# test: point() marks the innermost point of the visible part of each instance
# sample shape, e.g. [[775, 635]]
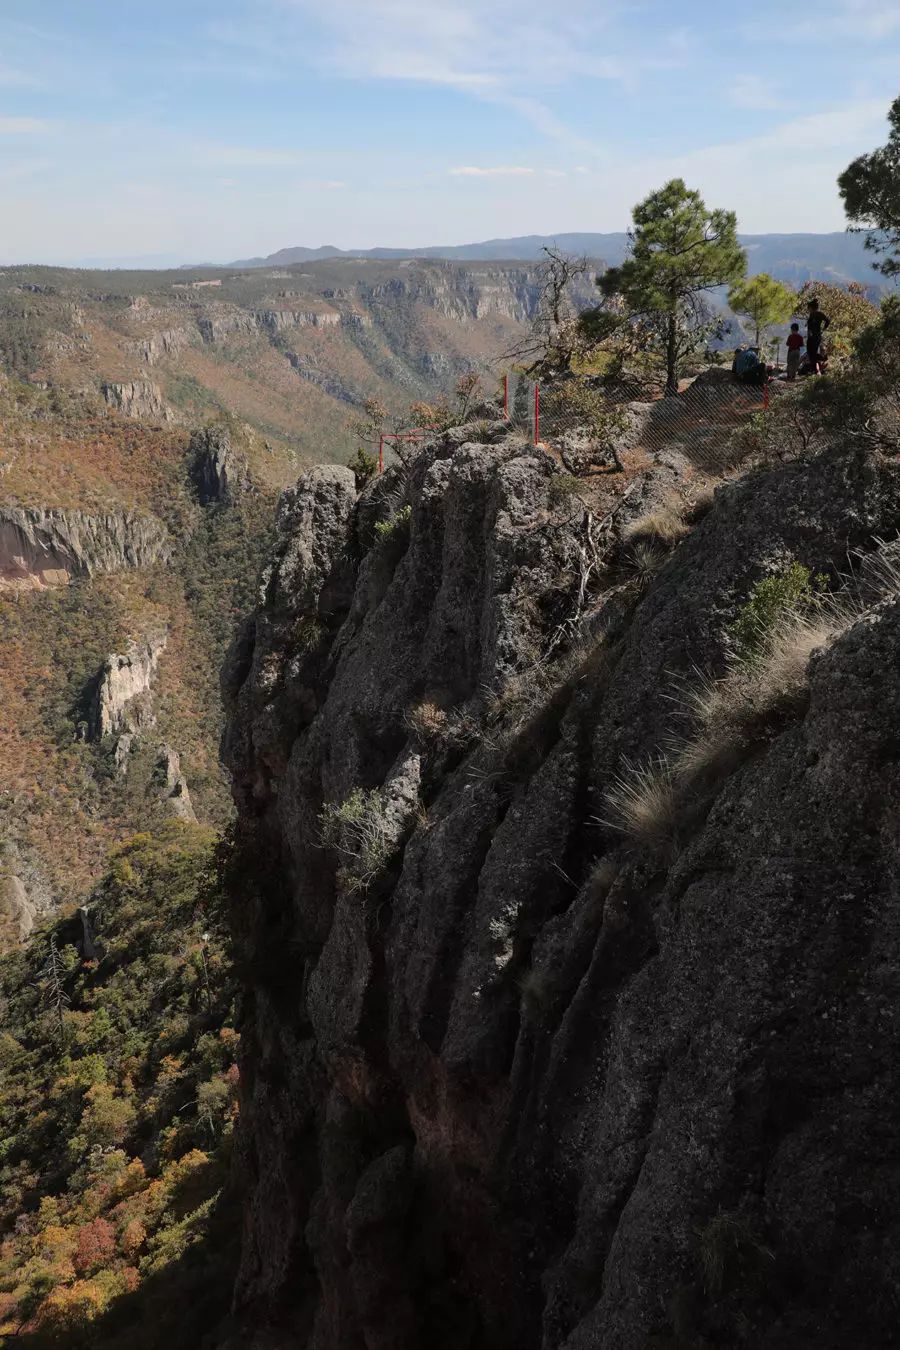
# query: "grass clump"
[[392, 535], [727, 1249], [358, 830], [642, 801], [426, 721], [665, 525]]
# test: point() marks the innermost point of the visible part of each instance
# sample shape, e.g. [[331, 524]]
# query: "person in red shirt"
[[794, 345]]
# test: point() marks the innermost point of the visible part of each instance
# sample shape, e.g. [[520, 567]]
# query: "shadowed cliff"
[[569, 944]]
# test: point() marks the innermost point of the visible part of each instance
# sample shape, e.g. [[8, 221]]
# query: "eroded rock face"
[[536, 1084], [218, 469], [16, 908], [24, 894], [138, 398], [40, 548], [121, 702], [175, 792]]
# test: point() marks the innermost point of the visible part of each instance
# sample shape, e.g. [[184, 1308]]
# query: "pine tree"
[[870, 188], [679, 251], [764, 300]]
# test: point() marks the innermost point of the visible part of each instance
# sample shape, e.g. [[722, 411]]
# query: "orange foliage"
[[134, 1236], [95, 1246]]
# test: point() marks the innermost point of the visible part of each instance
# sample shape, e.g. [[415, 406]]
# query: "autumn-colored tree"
[[849, 310], [95, 1246]]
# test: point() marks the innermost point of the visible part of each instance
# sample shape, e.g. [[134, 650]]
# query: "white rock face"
[[121, 702]]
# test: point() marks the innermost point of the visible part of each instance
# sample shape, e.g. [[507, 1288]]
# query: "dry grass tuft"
[[664, 525], [702, 497], [645, 560], [426, 721], [646, 801], [780, 672], [642, 801], [600, 879]]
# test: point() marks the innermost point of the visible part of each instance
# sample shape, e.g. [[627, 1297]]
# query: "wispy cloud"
[[497, 51], [25, 126], [13, 78], [854, 20], [753, 91], [500, 171]]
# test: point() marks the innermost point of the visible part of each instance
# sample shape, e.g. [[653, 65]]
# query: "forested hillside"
[[118, 1096], [292, 351]]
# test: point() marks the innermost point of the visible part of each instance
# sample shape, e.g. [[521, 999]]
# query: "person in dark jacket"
[[816, 323]]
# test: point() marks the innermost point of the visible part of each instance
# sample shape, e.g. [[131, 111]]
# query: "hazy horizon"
[[216, 131]]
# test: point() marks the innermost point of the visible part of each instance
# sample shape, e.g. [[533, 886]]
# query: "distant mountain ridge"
[[838, 257]]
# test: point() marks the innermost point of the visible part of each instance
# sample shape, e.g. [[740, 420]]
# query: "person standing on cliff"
[[817, 321], [794, 344]]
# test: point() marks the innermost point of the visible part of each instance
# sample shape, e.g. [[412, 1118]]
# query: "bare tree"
[[555, 338], [50, 982]]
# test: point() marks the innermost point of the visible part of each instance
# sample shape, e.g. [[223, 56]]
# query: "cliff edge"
[[571, 955]]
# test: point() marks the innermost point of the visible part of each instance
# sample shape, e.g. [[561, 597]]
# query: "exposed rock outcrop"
[[46, 547], [121, 701], [138, 398], [24, 894], [175, 792], [526, 1082], [218, 468], [16, 910]]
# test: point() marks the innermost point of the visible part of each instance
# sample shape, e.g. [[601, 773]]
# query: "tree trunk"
[[672, 356]]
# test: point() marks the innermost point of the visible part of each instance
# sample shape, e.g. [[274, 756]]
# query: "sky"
[[207, 130]]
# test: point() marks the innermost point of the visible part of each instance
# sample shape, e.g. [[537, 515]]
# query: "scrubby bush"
[[790, 591], [358, 830], [364, 467], [561, 489]]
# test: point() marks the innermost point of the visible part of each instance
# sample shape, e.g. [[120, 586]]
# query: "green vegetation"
[[562, 488], [577, 402], [870, 187], [118, 1094], [764, 300], [680, 251], [364, 467], [792, 590]]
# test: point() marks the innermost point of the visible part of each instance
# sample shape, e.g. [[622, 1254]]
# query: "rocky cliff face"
[[516, 1076], [218, 468], [121, 702], [46, 547], [140, 399]]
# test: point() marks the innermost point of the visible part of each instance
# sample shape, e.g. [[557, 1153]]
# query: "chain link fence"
[[592, 426]]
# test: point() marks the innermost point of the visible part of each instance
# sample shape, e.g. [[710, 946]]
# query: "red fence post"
[[537, 414]]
